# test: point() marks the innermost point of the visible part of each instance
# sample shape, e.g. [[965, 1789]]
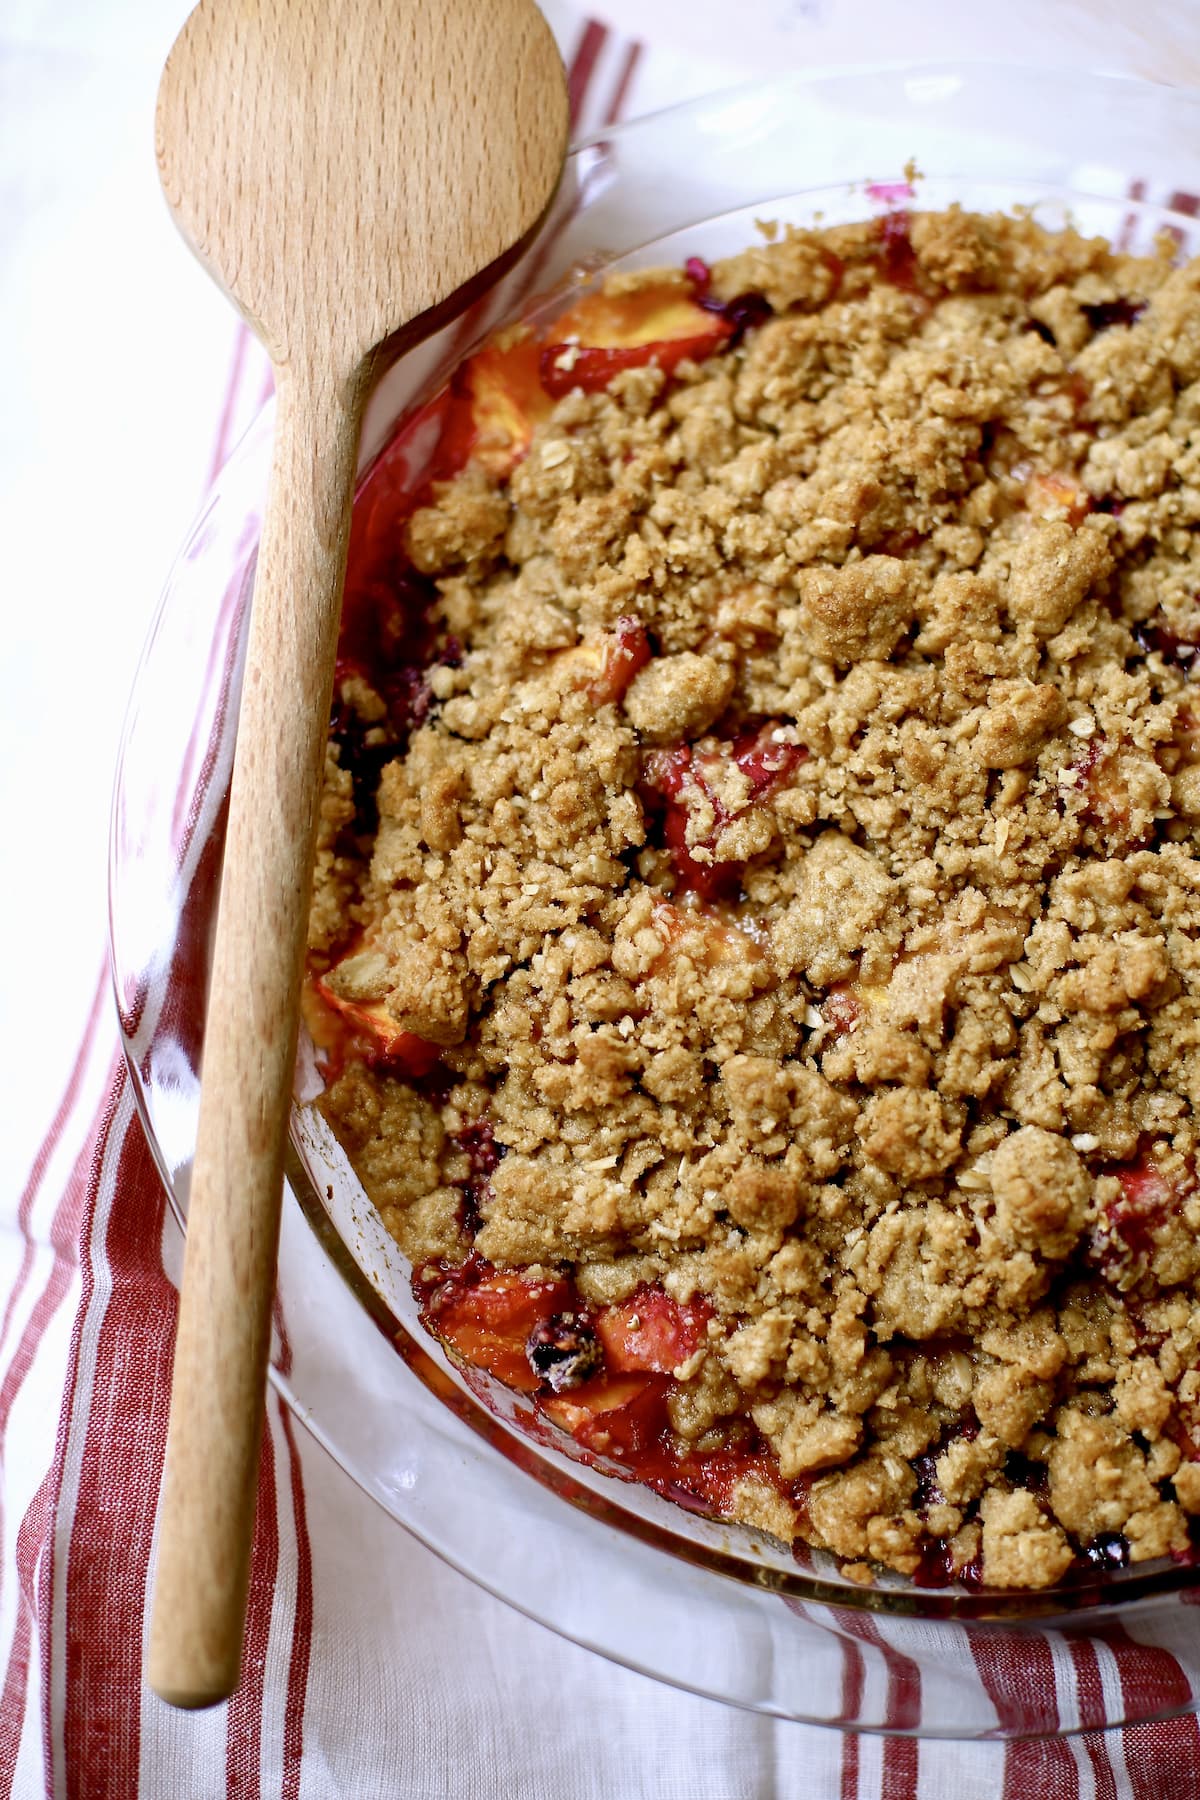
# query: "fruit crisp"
[[754, 946]]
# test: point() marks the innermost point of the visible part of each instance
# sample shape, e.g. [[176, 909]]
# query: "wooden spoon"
[[344, 169]]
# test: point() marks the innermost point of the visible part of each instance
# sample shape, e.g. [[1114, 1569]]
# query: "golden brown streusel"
[[838, 967]]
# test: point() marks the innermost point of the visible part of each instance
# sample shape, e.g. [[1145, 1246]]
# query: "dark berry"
[[470, 1214], [897, 258], [564, 1351], [1108, 1550], [1023, 1472], [1171, 645], [928, 1492], [971, 1573], [363, 758], [744, 312], [478, 1143], [1113, 312]]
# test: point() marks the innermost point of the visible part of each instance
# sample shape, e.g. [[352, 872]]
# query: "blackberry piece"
[[1105, 313], [564, 1351], [928, 1492], [1108, 1550]]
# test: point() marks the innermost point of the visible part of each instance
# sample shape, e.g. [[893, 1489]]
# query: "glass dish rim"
[[833, 74]]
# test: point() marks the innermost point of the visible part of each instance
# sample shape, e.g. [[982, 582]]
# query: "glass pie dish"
[[712, 1607]]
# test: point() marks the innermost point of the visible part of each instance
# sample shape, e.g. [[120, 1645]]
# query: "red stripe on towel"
[[583, 65], [120, 1468], [302, 1623], [49, 1145]]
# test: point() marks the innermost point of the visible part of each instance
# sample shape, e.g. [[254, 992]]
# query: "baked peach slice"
[[651, 1332], [603, 664], [489, 1322], [602, 334], [1056, 494], [503, 401], [344, 994], [615, 1416]]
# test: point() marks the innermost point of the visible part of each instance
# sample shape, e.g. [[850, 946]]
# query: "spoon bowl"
[[341, 170]]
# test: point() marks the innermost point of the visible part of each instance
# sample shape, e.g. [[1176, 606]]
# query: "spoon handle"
[[218, 1385]]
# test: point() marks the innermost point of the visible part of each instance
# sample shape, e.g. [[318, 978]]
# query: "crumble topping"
[[767, 929]]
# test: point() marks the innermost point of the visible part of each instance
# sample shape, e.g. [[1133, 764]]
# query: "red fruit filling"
[[1106, 798], [938, 1568], [603, 1377], [668, 775], [478, 1143], [897, 258], [1122, 1244], [626, 650], [620, 1415], [1059, 495], [501, 398], [842, 1009], [344, 1028], [487, 1317]]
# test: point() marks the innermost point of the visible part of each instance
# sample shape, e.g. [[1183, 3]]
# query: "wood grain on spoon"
[[342, 170]]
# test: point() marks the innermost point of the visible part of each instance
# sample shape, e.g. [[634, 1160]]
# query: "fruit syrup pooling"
[[605, 1375]]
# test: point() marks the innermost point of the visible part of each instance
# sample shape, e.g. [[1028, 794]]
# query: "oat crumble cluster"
[[781, 901]]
